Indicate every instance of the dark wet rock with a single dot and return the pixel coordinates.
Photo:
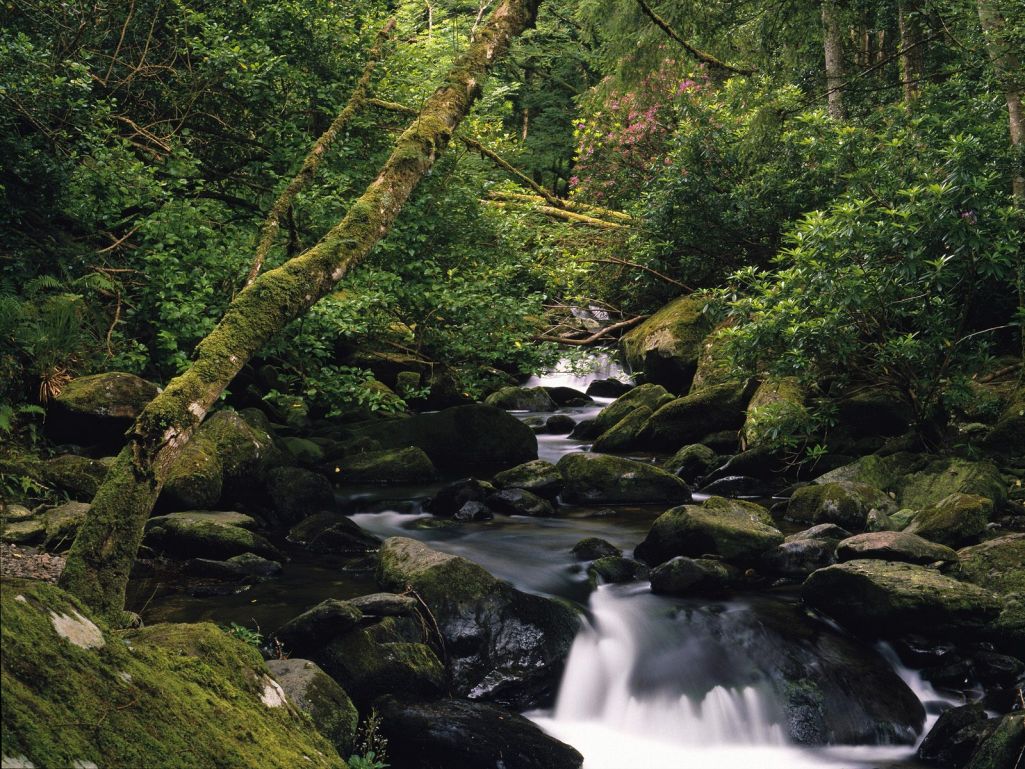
(459, 438)
(955, 736)
(844, 503)
(955, 521)
(827, 531)
(450, 499)
(568, 396)
(457, 733)
(297, 493)
(692, 462)
(761, 463)
(737, 486)
(247, 567)
(693, 576)
(733, 529)
(665, 347)
(586, 430)
(608, 388)
(317, 695)
(333, 533)
(651, 396)
(560, 424)
(519, 502)
(385, 605)
(521, 399)
(540, 477)
(614, 570)
(599, 479)
(873, 412)
(592, 548)
(503, 645)
(79, 476)
(405, 465)
(690, 418)
(199, 534)
(894, 546)
(623, 435)
(883, 598)
(319, 625)
(800, 557)
(1004, 746)
(473, 511)
(98, 409)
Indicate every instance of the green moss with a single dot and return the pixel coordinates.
(111, 394)
(775, 412)
(521, 399)
(624, 434)
(603, 479)
(197, 536)
(651, 395)
(62, 523)
(665, 347)
(714, 364)
(172, 697)
(195, 478)
(79, 476)
(691, 418)
(845, 503)
(997, 565)
(1004, 747)
(408, 465)
(956, 520)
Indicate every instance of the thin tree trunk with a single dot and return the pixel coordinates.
(702, 56)
(279, 211)
(833, 46)
(912, 47)
(107, 544)
(1009, 73)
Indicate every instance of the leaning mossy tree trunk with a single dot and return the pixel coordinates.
(106, 546)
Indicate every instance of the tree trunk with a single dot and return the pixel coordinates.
(912, 47)
(103, 552)
(832, 40)
(1009, 74)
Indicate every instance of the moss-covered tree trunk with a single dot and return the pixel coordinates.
(103, 552)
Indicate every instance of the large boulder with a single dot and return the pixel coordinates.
(296, 493)
(245, 449)
(651, 396)
(844, 503)
(623, 436)
(894, 546)
(522, 399)
(196, 477)
(955, 521)
(503, 645)
(600, 479)
(665, 347)
(76, 694)
(997, 564)
(79, 476)
(320, 697)
(201, 534)
(776, 409)
(461, 437)
(692, 462)
(406, 465)
(333, 533)
(98, 409)
(538, 477)
(692, 417)
(885, 597)
(1007, 437)
(450, 732)
(730, 528)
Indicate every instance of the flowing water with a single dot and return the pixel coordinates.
(651, 682)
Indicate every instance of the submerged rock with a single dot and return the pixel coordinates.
(600, 479)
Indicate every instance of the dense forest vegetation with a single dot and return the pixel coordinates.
(337, 218)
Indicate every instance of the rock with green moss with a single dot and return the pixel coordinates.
(79, 476)
(693, 576)
(714, 364)
(955, 521)
(98, 409)
(692, 417)
(1007, 437)
(651, 396)
(776, 410)
(894, 546)
(665, 347)
(320, 697)
(459, 438)
(623, 436)
(615, 570)
(920, 480)
(297, 493)
(333, 533)
(165, 697)
(512, 502)
(733, 529)
(246, 452)
(503, 645)
(844, 503)
(303, 450)
(27, 531)
(521, 399)
(886, 597)
(319, 625)
(601, 479)
(62, 524)
(195, 480)
(692, 462)
(198, 534)
(538, 477)
(997, 564)
(1004, 748)
(406, 465)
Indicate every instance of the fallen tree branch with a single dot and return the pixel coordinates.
(561, 213)
(625, 263)
(698, 54)
(569, 205)
(596, 336)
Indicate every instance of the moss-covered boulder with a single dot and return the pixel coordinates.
(296, 493)
(894, 546)
(1007, 436)
(245, 449)
(405, 465)
(730, 528)
(606, 480)
(201, 534)
(593, 548)
(26, 531)
(503, 645)
(320, 697)
(997, 564)
(196, 477)
(459, 733)
(692, 417)
(920, 480)
(623, 436)
(98, 409)
(538, 477)
(615, 570)
(693, 576)
(318, 625)
(333, 533)
(776, 409)
(652, 396)
(799, 557)
(62, 523)
(522, 399)
(885, 597)
(1004, 748)
(79, 476)
(665, 347)
(955, 521)
(692, 462)
(460, 438)
(168, 696)
(844, 503)
(519, 502)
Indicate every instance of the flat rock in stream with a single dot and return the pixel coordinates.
(599, 479)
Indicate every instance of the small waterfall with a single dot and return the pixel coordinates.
(601, 366)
